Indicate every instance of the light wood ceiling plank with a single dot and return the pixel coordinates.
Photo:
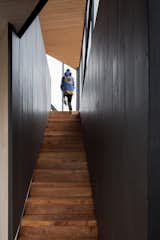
(62, 26)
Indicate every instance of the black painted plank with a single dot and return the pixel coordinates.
(114, 111)
(30, 99)
(154, 124)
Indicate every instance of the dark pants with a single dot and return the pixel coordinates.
(69, 97)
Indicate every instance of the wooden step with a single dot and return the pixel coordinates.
(61, 164)
(60, 204)
(27, 222)
(63, 139)
(62, 148)
(50, 149)
(52, 238)
(56, 119)
(63, 143)
(58, 164)
(72, 230)
(49, 217)
(60, 207)
(62, 113)
(58, 233)
(74, 128)
(47, 190)
(65, 115)
(63, 118)
(51, 132)
(69, 126)
(64, 156)
(60, 176)
(64, 125)
(62, 184)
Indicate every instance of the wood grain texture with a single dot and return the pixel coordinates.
(60, 204)
(69, 190)
(62, 24)
(154, 119)
(114, 112)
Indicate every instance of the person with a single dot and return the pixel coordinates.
(67, 87)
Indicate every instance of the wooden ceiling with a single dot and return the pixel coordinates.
(17, 11)
(62, 26)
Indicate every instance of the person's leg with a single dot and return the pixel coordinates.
(64, 100)
(69, 102)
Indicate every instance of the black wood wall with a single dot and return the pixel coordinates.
(154, 120)
(114, 110)
(30, 101)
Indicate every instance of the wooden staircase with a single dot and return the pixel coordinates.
(60, 205)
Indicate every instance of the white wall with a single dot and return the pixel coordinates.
(55, 68)
(96, 5)
(3, 130)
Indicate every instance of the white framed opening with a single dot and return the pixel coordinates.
(57, 69)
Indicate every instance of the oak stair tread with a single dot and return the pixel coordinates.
(59, 233)
(62, 133)
(61, 164)
(60, 184)
(60, 175)
(65, 191)
(76, 156)
(59, 208)
(60, 204)
(28, 222)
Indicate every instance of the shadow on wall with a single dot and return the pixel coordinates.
(30, 103)
(114, 112)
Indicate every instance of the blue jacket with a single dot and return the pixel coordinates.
(67, 85)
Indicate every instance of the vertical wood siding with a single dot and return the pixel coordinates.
(114, 110)
(154, 124)
(30, 97)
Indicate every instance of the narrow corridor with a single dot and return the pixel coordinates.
(60, 204)
(112, 49)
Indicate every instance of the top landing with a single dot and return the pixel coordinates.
(75, 115)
